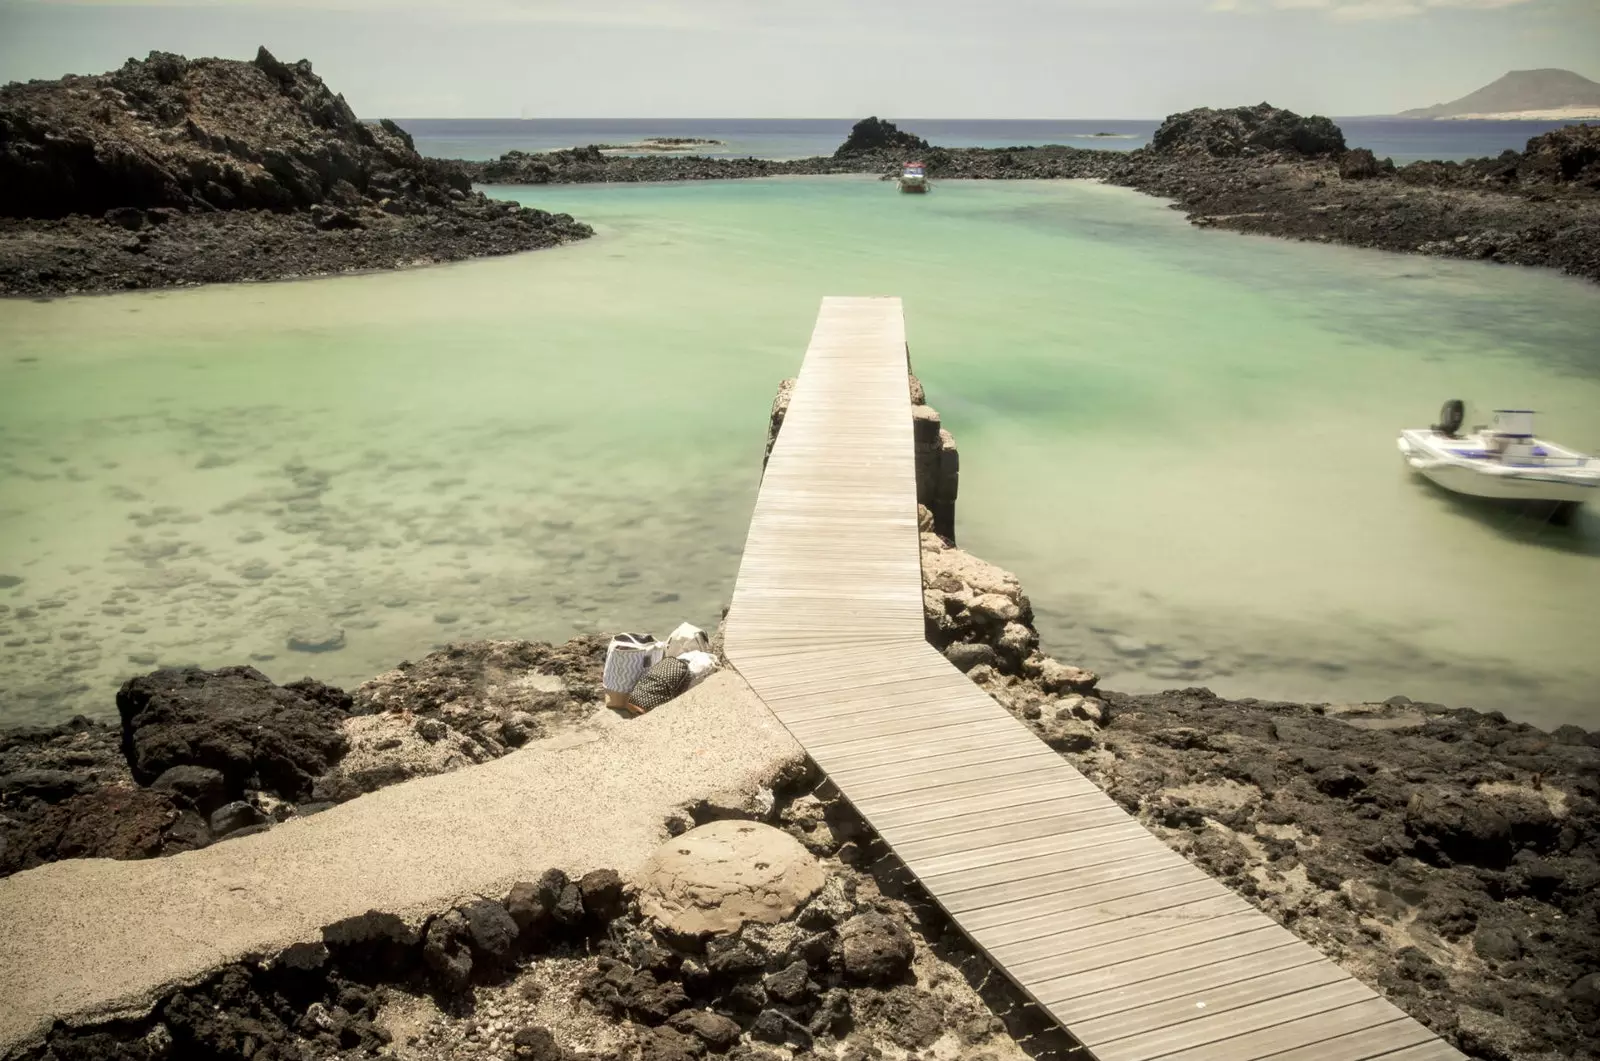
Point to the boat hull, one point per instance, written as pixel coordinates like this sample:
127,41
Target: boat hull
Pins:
1461,478
913,188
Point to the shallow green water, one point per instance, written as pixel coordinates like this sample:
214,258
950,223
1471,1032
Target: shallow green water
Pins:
1182,441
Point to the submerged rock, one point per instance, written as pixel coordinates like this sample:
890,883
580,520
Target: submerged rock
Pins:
315,637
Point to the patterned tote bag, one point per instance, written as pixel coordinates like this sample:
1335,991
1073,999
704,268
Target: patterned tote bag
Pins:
627,658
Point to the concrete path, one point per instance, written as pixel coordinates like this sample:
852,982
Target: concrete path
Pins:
89,938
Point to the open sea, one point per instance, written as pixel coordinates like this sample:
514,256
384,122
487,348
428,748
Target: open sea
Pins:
1404,140
1181,440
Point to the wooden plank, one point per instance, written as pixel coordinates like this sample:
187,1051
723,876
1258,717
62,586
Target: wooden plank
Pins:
1208,1004
1189,984
997,837
938,756
1136,951
1019,896
1046,787
1129,939
1069,909
1055,993
1058,805
1401,1039
1293,1028
939,774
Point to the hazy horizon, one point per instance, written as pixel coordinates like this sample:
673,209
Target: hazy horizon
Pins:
677,59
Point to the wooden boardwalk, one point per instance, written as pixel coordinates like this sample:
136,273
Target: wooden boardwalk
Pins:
1135,951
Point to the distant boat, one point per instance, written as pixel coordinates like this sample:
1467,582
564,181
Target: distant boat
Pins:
1503,461
914,178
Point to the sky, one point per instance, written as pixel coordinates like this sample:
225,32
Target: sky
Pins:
835,58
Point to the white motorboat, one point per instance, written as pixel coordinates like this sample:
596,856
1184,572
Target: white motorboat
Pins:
1503,460
914,178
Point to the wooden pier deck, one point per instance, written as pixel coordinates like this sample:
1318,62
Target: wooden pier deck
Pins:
1136,952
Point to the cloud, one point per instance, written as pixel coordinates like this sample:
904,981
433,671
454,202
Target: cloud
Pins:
1356,10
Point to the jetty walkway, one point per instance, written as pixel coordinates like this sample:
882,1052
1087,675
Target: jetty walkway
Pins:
1136,952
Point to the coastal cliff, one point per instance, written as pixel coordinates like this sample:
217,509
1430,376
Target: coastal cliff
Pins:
174,171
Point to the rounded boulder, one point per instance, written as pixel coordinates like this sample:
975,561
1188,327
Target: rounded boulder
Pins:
715,878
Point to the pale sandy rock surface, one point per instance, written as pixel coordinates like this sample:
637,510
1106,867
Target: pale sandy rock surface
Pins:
713,879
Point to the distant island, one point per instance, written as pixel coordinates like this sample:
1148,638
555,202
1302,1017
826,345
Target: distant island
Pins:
1526,95
663,143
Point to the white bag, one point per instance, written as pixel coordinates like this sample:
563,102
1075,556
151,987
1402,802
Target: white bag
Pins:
627,658
700,664
687,638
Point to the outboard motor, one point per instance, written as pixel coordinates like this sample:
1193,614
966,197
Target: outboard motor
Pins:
1451,417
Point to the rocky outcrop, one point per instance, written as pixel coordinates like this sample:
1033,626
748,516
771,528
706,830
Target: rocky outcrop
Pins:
1246,131
1568,156
938,465
1520,209
207,755
257,735
1361,164
170,170
872,136
1563,162
207,134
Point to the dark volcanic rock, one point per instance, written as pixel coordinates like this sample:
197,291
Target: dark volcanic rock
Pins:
1565,156
112,822
1520,208
1246,131
201,787
1360,164
713,1029
536,1044
201,135
232,817
492,932
234,721
876,949
601,892
171,170
874,135
447,952
51,786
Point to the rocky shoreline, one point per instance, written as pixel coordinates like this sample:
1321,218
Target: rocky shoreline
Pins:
1256,169
171,172
1448,858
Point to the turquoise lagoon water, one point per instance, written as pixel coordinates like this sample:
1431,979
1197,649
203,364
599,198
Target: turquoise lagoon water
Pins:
1180,440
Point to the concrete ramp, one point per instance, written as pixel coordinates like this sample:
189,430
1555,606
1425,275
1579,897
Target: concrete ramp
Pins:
88,938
